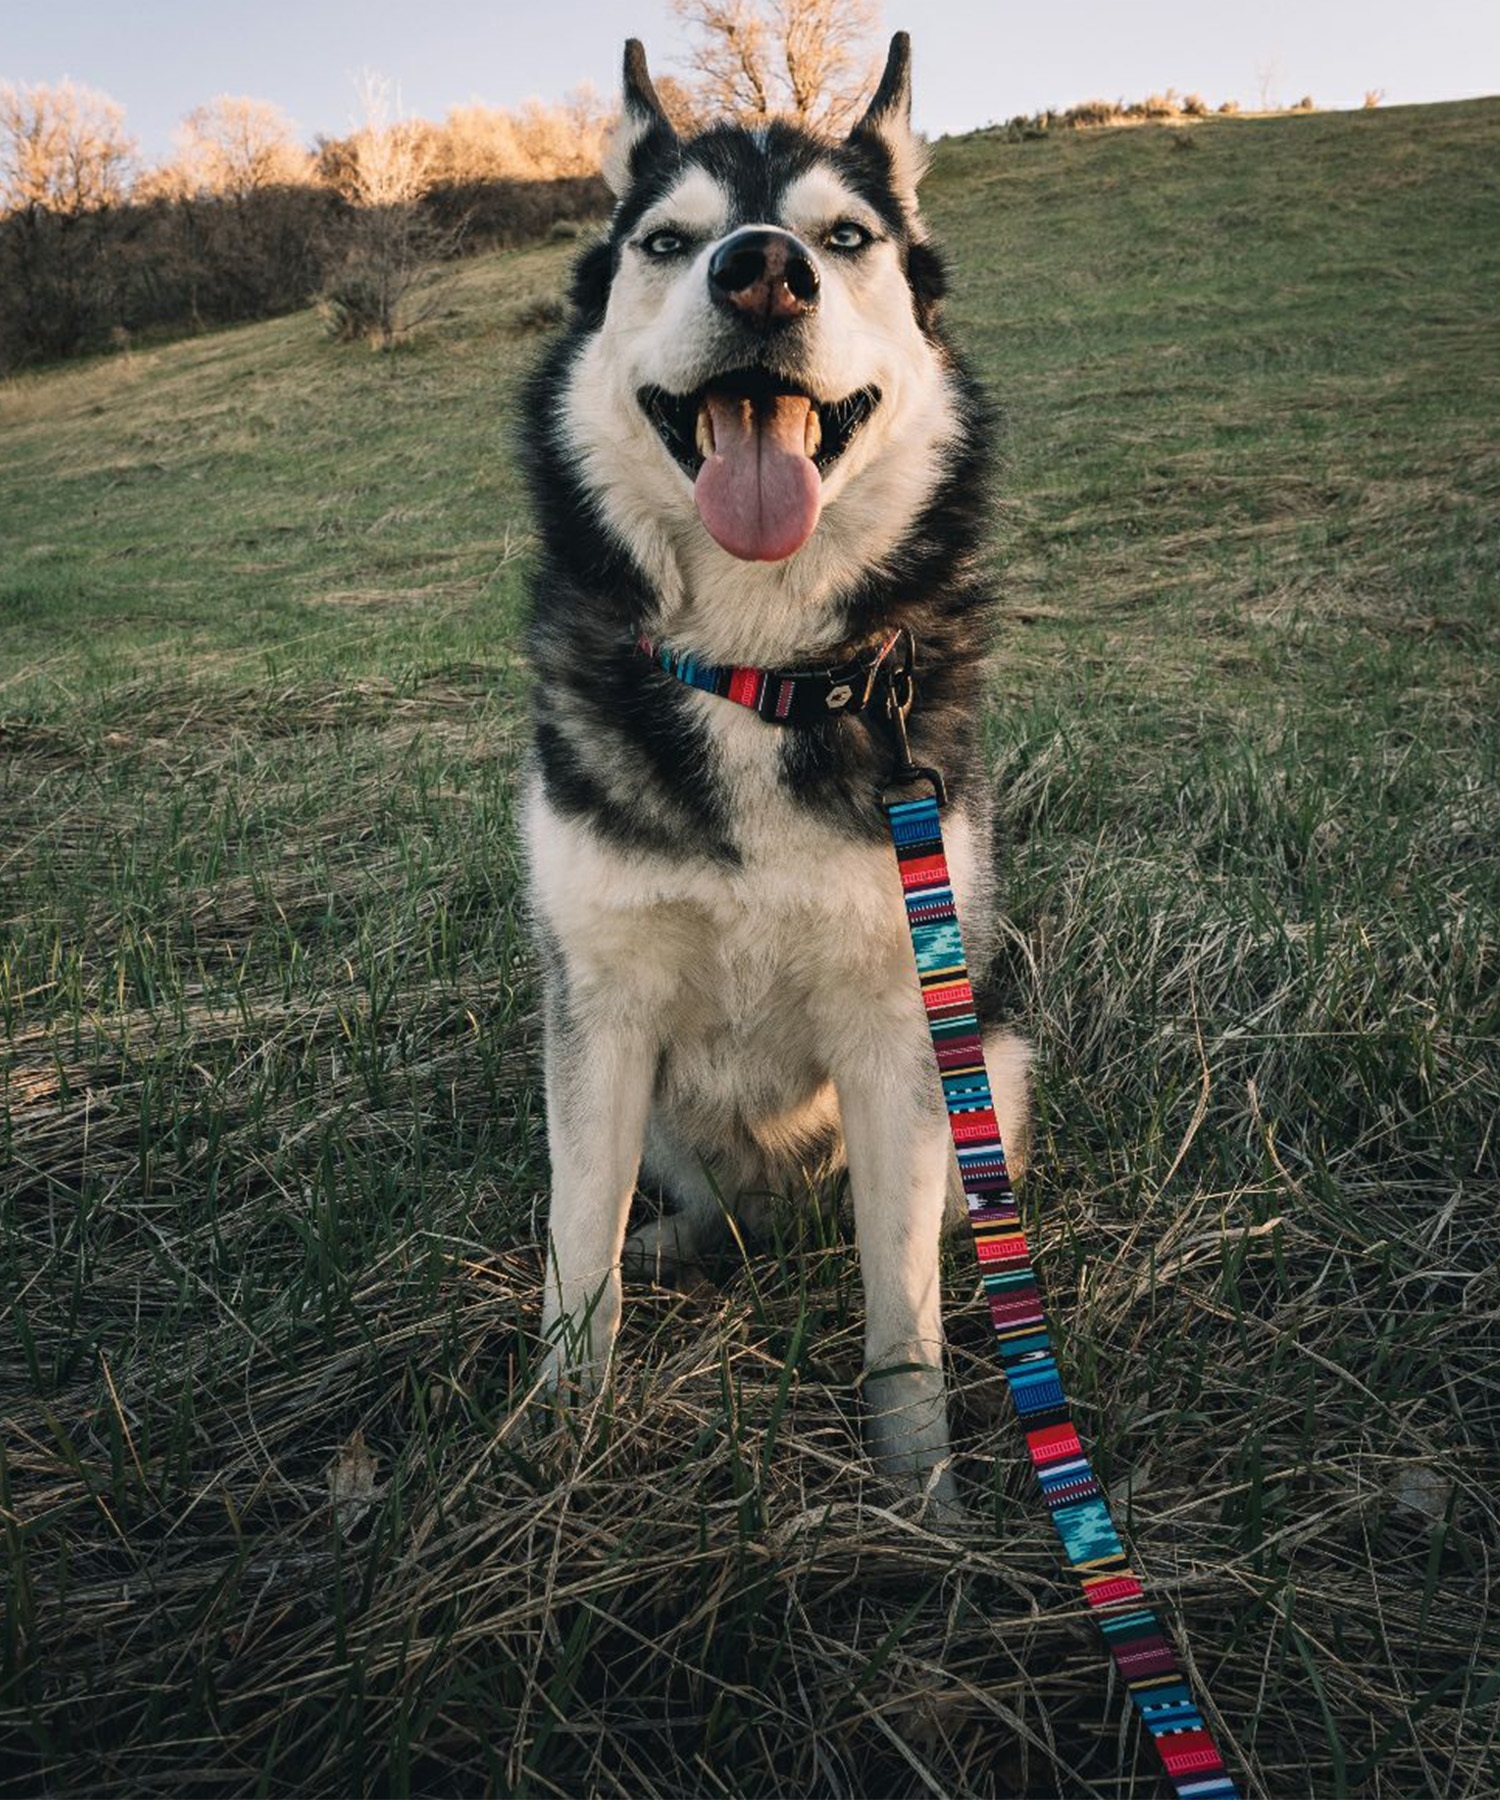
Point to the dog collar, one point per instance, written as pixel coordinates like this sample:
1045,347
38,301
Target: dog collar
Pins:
784,696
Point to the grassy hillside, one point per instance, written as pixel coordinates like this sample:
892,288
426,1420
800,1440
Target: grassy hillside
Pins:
277,1515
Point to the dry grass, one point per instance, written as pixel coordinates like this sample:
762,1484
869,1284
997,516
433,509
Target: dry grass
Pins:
282,1510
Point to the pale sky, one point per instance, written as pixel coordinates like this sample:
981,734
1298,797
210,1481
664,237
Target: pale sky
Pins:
974,62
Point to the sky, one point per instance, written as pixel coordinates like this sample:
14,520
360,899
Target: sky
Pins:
975,60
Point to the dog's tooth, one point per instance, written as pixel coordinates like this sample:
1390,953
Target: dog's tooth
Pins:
704,434
813,441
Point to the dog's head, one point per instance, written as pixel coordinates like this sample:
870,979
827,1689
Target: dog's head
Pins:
758,369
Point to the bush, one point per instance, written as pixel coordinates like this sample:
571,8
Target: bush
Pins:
72,284
540,313
350,305
497,215
385,281
1094,112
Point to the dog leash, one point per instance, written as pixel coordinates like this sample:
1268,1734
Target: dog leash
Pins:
1080,1511
1133,1634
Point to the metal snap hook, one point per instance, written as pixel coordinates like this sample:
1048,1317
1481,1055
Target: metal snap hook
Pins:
900,697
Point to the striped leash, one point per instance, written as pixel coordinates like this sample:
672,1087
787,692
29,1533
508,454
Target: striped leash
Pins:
1132,1631
1080,1511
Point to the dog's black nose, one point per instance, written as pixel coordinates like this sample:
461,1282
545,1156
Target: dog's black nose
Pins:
764,277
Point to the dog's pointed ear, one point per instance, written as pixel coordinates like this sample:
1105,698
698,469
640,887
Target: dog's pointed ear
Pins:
644,126
886,124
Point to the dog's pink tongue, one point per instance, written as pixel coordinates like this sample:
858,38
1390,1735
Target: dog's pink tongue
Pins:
759,494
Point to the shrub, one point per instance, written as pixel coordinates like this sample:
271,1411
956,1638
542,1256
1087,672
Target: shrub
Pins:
70,284
540,313
385,281
1094,112
496,215
349,305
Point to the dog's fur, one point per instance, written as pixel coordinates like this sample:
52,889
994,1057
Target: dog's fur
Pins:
730,998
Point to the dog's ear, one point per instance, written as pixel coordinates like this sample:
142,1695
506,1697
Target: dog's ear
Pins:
644,127
886,125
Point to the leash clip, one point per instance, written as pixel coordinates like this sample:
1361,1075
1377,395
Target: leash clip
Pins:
900,672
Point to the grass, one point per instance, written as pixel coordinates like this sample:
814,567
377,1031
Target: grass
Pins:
280,1512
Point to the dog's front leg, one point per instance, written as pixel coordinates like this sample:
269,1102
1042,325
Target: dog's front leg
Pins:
899,1150
600,1067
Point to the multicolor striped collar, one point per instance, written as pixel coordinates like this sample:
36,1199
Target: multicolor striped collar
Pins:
784,696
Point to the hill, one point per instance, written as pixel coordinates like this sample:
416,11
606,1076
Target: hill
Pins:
276,1513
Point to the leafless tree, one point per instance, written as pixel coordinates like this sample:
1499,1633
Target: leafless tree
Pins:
392,156
63,149
1267,74
478,143
65,166
236,146
385,283
540,142
233,212
682,102
812,61
729,62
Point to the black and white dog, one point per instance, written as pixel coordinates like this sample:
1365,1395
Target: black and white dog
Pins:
753,446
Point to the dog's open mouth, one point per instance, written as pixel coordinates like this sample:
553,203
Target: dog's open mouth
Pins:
757,449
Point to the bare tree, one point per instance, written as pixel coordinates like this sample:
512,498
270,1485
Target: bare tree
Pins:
63,149
236,146
682,103
827,55
392,156
65,165
479,143
1267,74
812,61
233,211
385,282
561,140
729,61
537,143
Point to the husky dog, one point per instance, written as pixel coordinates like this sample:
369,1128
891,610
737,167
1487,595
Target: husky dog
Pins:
752,446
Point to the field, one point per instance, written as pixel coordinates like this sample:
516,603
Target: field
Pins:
281,1512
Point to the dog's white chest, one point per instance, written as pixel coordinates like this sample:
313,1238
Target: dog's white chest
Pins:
803,908
806,929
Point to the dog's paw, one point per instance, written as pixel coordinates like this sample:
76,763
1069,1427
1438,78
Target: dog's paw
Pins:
573,1366
660,1249
937,1501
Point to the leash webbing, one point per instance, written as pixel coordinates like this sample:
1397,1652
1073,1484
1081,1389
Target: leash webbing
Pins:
1134,1635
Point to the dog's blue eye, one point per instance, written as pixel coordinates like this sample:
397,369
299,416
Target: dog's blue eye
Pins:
664,243
848,236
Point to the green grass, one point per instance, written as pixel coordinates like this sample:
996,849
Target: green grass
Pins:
279,1515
